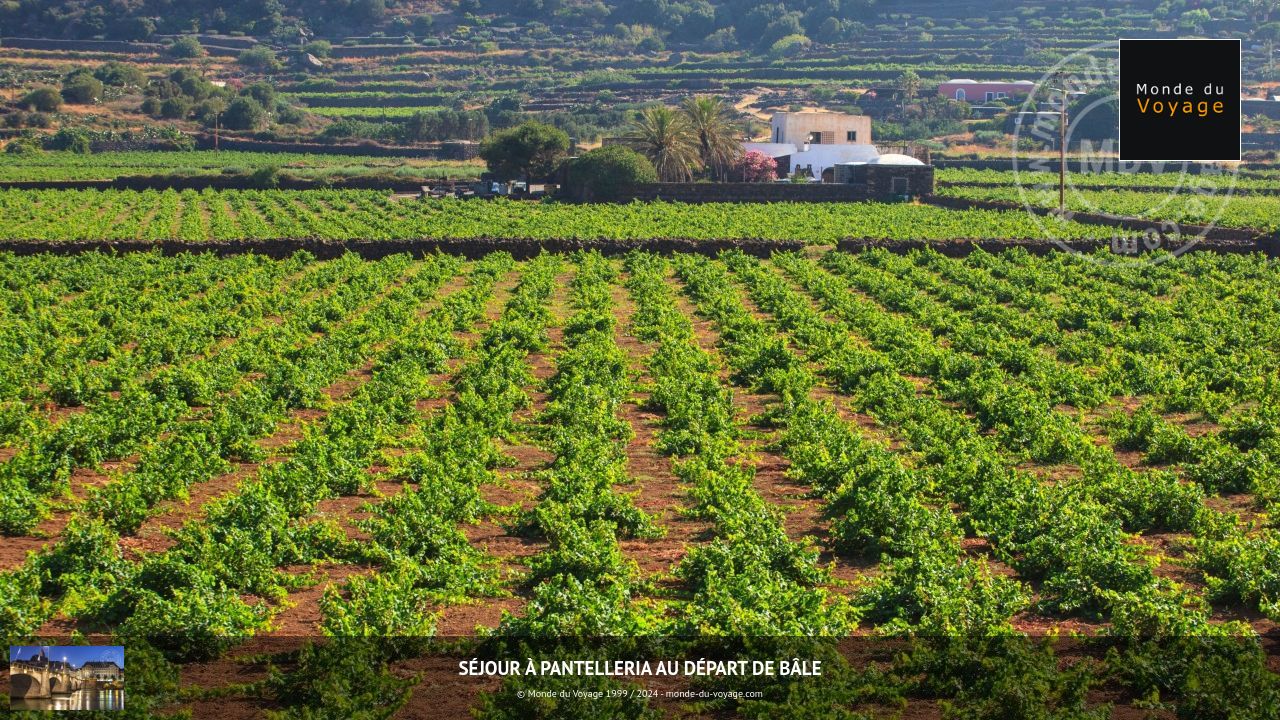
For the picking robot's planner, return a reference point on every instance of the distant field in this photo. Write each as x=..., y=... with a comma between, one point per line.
x=57, y=215
x=1261, y=212
x=369, y=112
x=110, y=165
x=1248, y=180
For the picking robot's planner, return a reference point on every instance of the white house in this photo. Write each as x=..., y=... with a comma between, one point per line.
x=816, y=141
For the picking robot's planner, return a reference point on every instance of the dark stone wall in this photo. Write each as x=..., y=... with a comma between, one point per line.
x=521, y=248
x=1126, y=223
x=439, y=151
x=961, y=247
x=869, y=183
x=877, y=180
x=1268, y=108
x=747, y=192
x=1260, y=141
x=121, y=46
x=1074, y=165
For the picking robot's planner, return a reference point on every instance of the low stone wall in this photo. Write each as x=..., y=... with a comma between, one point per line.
x=122, y=46
x=746, y=192
x=409, y=99
x=1074, y=166
x=437, y=151
x=224, y=182
x=1117, y=221
x=1267, y=108
x=1077, y=185
x=1260, y=141
x=109, y=46
x=520, y=248
x=961, y=247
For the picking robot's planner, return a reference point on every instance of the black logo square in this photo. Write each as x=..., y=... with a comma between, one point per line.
x=1180, y=100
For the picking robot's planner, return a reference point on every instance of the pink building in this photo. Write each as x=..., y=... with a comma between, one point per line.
x=974, y=91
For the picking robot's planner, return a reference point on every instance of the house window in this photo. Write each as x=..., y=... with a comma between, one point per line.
x=777, y=135
x=960, y=94
x=990, y=96
x=899, y=186
x=851, y=135
x=815, y=138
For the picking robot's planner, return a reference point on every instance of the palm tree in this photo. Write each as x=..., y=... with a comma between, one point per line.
x=714, y=132
x=908, y=86
x=664, y=136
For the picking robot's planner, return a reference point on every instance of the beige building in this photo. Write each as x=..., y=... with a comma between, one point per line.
x=103, y=671
x=820, y=128
x=812, y=143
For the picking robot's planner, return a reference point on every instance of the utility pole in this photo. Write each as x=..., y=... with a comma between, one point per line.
x=1062, y=143
x=217, y=116
x=1062, y=157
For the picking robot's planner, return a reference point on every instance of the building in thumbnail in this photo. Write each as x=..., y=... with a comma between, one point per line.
x=102, y=671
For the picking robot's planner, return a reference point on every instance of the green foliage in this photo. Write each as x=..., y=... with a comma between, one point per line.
x=375, y=217
x=1009, y=678
x=529, y=151
x=605, y=173
x=120, y=74
x=71, y=140
x=183, y=611
x=24, y=146
x=186, y=47
x=347, y=678
x=82, y=90
x=174, y=108
x=383, y=605
x=934, y=411
x=259, y=58
x=1245, y=569
x=244, y=113
x=43, y=99
x=319, y=48
x=22, y=609
x=789, y=46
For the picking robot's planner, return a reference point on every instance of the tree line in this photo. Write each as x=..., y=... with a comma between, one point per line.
x=698, y=140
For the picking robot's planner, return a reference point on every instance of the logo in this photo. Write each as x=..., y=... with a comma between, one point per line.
x=1144, y=202
x=1180, y=100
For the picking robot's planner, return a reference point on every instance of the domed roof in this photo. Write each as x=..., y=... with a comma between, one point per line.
x=895, y=159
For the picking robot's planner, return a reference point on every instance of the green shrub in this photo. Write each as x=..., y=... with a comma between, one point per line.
x=120, y=74
x=23, y=146
x=43, y=99
x=82, y=90
x=605, y=173
x=244, y=113
x=186, y=47
x=175, y=108
x=261, y=58
x=73, y=140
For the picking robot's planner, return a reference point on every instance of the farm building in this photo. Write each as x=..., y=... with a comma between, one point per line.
x=984, y=91
x=888, y=175
x=814, y=142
